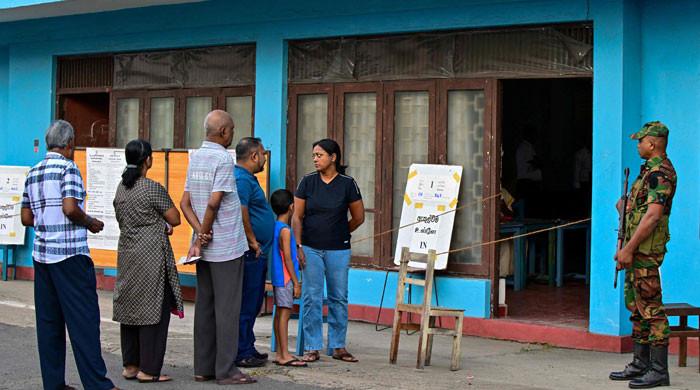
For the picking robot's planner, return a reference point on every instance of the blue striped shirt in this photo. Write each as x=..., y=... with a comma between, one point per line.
x=211, y=170
x=48, y=183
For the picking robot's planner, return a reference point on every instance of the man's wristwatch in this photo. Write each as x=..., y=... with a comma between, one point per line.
x=299, y=245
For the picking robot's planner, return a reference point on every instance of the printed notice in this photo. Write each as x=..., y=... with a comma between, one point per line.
x=104, y=173
x=11, y=190
x=431, y=191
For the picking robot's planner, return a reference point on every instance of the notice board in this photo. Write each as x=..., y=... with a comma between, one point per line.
x=11, y=189
x=431, y=192
x=173, y=166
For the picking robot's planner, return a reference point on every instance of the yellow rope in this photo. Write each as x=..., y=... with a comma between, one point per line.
x=515, y=236
x=415, y=223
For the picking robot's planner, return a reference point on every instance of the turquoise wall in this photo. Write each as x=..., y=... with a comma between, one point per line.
x=615, y=113
x=644, y=69
x=670, y=92
x=4, y=89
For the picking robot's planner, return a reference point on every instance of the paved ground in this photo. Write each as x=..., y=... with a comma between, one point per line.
x=487, y=364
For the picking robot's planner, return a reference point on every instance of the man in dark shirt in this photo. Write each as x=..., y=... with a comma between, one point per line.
x=259, y=225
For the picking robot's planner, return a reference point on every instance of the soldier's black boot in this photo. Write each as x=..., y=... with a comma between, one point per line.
x=639, y=365
x=657, y=375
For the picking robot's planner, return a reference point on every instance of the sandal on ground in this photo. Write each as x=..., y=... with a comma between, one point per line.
x=345, y=356
x=130, y=374
x=204, y=378
x=153, y=379
x=311, y=356
x=238, y=379
x=293, y=362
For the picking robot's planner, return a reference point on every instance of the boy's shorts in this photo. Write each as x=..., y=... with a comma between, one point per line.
x=284, y=296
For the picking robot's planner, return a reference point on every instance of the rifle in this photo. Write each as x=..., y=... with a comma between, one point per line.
x=623, y=221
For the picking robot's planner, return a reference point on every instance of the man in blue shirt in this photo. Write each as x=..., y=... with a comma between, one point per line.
x=259, y=225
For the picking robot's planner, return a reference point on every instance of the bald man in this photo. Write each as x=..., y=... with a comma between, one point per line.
x=212, y=207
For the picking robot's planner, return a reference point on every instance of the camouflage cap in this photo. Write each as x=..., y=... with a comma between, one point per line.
x=655, y=129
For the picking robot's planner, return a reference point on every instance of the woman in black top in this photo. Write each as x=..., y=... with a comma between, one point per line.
x=322, y=229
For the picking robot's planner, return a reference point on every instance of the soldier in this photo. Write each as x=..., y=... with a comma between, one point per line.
x=646, y=235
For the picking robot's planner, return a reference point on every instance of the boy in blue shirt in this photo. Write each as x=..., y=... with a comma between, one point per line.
x=285, y=271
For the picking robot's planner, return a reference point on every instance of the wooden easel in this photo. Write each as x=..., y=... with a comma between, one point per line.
x=428, y=313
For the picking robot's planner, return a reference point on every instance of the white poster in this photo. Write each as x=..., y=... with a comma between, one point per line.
x=104, y=173
x=431, y=191
x=11, y=190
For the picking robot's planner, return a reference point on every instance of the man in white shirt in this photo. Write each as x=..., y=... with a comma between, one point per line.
x=212, y=207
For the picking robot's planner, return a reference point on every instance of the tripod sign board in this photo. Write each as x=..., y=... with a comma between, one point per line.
x=431, y=191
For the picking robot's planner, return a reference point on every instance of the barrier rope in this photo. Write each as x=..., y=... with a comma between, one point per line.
x=415, y=223
x=481, y=244
x=532, y=233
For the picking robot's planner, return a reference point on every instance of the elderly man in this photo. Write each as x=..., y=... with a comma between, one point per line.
x=64, y=276
x=259, y=224
x=211, y=206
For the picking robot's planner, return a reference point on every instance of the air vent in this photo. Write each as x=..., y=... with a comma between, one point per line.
x=85, y=72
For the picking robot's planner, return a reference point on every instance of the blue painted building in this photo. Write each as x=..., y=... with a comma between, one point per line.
x=635, y=60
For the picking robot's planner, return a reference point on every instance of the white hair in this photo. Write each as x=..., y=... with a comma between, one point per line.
x=59, y=134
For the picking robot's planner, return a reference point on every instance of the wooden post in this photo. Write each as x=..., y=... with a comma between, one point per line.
x=429, y=347
x=425, y=316
x=683, y=344
x=456, y=344
x=400, y=287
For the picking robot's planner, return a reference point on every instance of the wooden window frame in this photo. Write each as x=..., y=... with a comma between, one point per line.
x=177, y=136
x=490, y=168
x=294, y=92
x=390, y=89
x=437, y=90
x=243, y=91
x=218, y=96
x=338, y=133
x=113, y=98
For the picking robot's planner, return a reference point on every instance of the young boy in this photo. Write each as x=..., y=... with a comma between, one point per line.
x=285, y=269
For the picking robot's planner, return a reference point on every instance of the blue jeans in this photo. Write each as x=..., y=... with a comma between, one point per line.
x=253, y=293
x=65, y=297
x=333, y=264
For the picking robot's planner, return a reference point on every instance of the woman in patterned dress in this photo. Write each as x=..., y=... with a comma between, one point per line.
x=147, y=288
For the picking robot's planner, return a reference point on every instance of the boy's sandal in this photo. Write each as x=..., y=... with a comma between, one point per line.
x=311, y=356
x=293, y=362
x=345, y=356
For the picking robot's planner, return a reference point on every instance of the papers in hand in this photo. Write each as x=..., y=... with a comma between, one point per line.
x=184, y=260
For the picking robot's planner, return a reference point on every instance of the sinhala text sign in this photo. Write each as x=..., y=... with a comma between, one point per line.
x=11, y=190
x=104, y=173
x=431, y=190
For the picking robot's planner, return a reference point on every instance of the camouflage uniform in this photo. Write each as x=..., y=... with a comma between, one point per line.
x=656, y=183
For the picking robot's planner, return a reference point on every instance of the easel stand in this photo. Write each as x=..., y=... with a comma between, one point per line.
x=428, y=313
